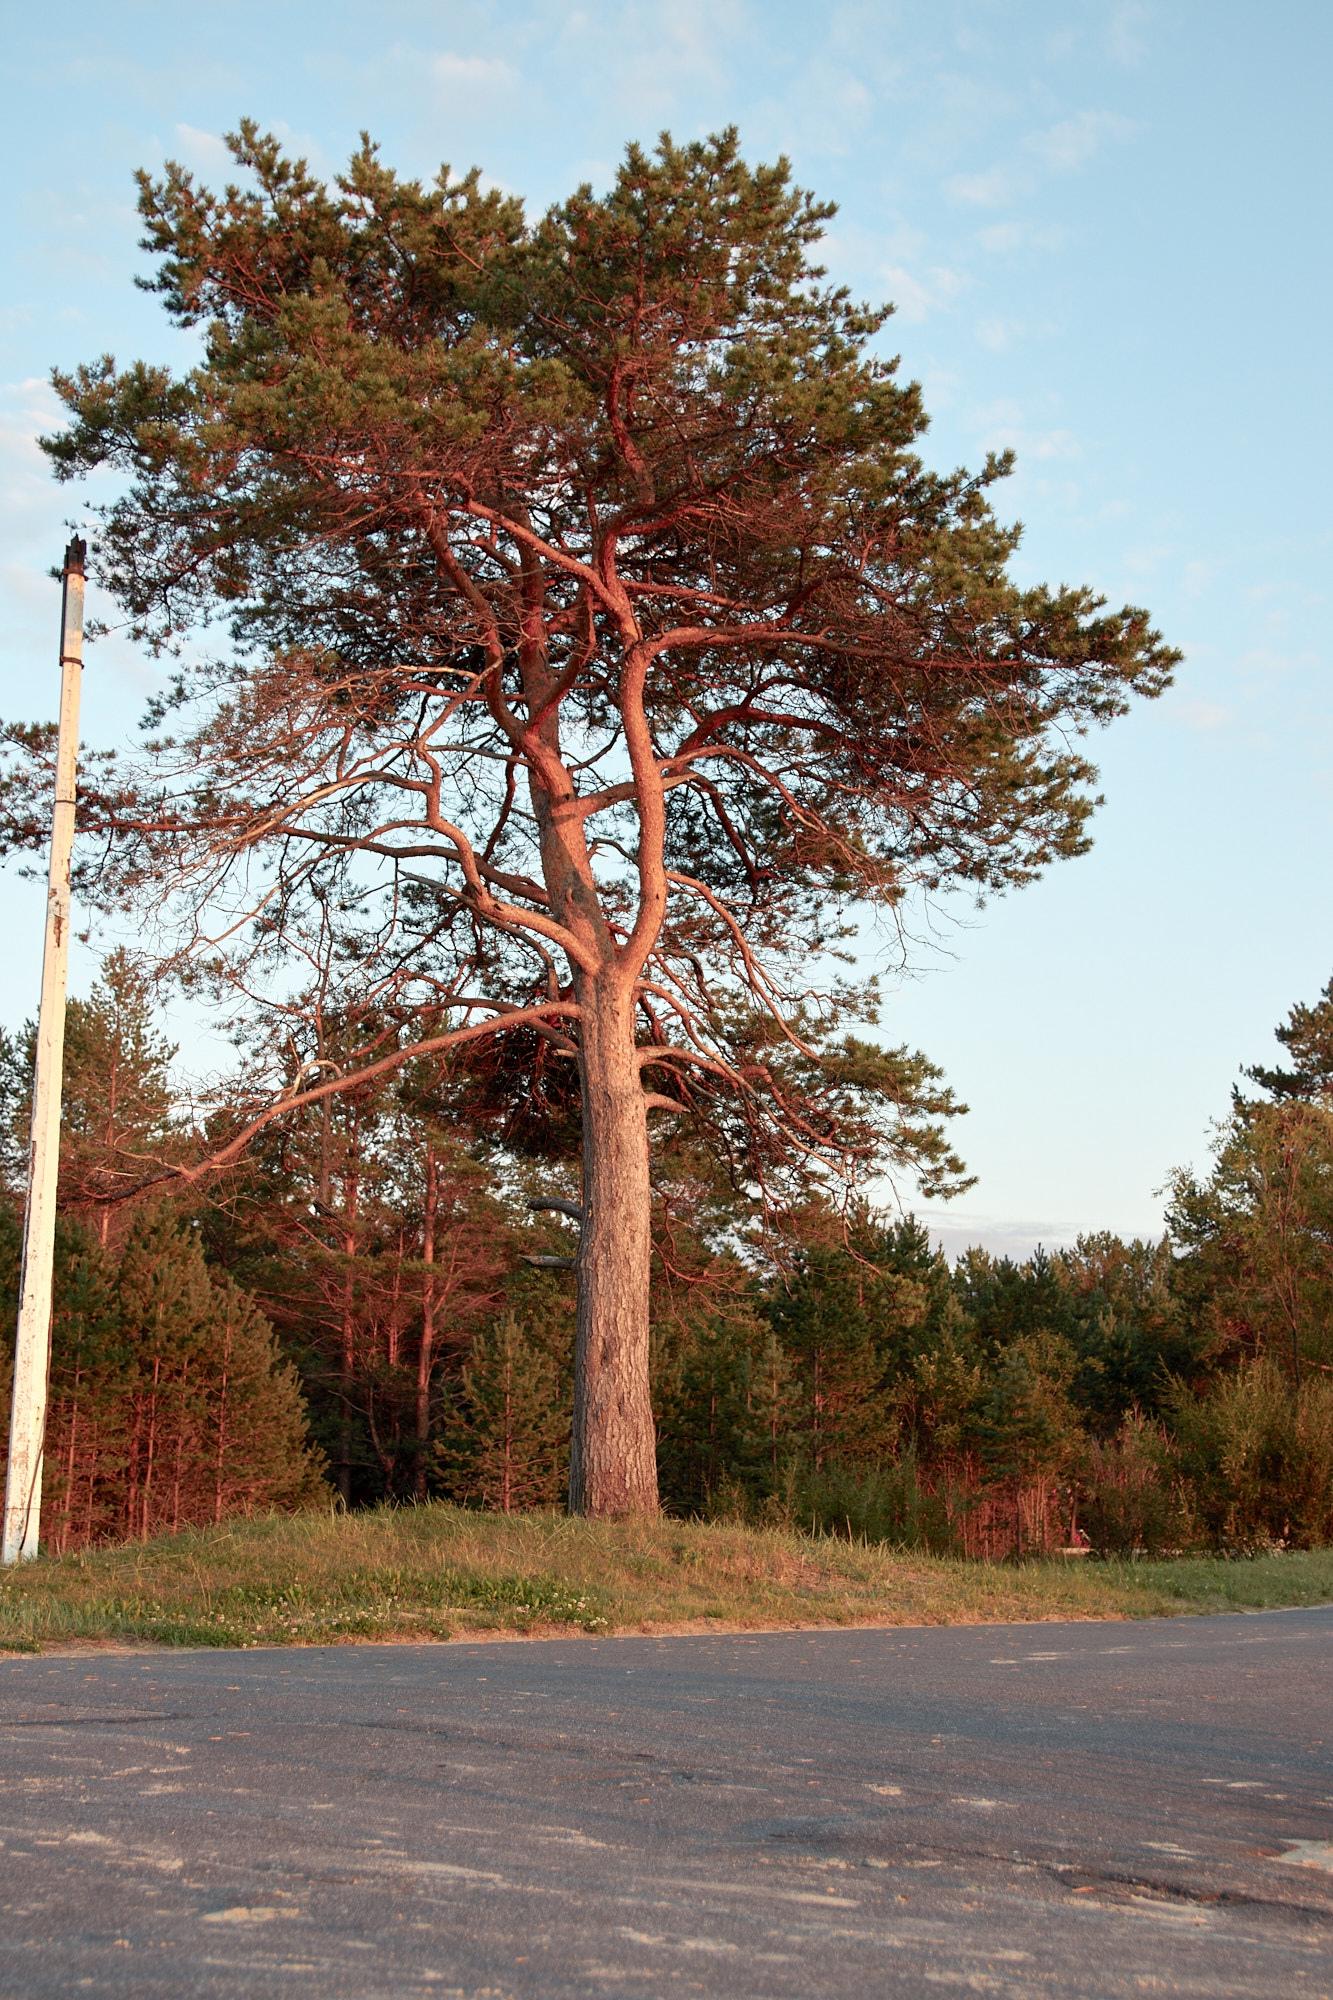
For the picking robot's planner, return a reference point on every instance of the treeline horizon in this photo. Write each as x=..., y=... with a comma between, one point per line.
x=374, y=1303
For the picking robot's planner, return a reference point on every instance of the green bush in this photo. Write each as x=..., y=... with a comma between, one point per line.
x=1255, y=1458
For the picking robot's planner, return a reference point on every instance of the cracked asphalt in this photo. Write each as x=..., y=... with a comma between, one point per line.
x=1096, y=1809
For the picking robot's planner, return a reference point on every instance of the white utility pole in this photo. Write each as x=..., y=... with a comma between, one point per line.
x=32, y=1354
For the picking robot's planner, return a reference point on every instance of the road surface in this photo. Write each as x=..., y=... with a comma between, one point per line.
x=1099, y=1809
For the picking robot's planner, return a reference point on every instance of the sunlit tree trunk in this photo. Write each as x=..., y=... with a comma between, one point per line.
x=613, y=1463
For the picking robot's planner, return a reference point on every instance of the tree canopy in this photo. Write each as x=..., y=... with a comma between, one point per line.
x=597, y=646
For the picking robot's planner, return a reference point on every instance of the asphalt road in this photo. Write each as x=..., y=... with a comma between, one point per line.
x=1025, y=1809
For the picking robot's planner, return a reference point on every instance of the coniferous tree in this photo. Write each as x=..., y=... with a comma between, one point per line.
x=120, y=1119
x=508, y=1447
x=92, y=1363
x=844, y=1311
x=169, y=1405
x=1257, y=1236
x=1127, y=1323
x=251, y=1450
x=724, y=1409
x=638, y=646
x=1307, y=1036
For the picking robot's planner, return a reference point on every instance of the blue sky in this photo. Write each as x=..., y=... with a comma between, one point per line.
x=1105, y=225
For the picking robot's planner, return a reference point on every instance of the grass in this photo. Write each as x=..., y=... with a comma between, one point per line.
x=440, y=1572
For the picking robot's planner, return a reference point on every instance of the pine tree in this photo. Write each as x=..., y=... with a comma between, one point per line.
x=1307, y=1036
x=164, y=1301
x=842, y=1315
x=86, y=1433
x=724, y=1410
x=624, y=505
x=1128, y=1325
x=1257, y=1236
x=508, y=1447
x=252, y=1451
x=120, y=1124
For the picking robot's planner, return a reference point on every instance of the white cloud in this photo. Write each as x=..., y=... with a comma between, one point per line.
x=997, y=333
x=204, y=150
x=1003, y=427
x=33, y=515
x=859, y=252
x=891, y=262
x=966, y=1229
x=1003, y=238
x=28, y=409
x=994, y=188
x=472, y=73
x=1203, y=716
x=1050, y=444
x=1124, y=34
x=1147, y=559
x=1060, y=149
x=1075, y=141
x=854, y=95
x=917, y=294
x=666, y=54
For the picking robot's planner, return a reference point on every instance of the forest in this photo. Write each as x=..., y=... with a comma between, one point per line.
x=374, y=1306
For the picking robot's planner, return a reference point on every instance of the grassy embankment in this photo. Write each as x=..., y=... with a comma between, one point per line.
x=439, y=1572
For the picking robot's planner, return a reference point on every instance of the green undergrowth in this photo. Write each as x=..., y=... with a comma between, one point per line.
x=441, y=1572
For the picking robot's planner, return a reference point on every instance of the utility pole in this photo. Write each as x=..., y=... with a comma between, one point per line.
x=32, y=1354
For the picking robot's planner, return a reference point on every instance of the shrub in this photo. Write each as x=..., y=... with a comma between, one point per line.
x=888, y=1502
x=1256, y=1459
x=1127, y=1502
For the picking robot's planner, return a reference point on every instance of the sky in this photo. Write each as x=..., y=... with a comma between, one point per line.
x=1104, y=225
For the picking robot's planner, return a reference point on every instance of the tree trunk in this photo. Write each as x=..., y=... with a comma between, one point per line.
x=613, y=1461
x=220, y=1454
x=342, y=1474
x=426, y=1349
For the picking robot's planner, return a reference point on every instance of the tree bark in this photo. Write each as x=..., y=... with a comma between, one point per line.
x=426, y=1349
x=613, y=1461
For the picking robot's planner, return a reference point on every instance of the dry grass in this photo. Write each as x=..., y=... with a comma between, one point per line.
x=440, y=1572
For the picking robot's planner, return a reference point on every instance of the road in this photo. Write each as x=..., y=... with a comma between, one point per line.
x=1098, y=1809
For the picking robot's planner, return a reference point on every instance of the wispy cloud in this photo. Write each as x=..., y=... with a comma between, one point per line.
x=996, y=187
x=893, y=262
x=472, y=73
x=1126, y=40
x=997, y=333
x=667, y=52
x=955, y=1232
x=1005, y=238
x=1065, y=147
x=1003, y=426
x=1061, y=148
x=1204, y=717
x=917, y=294
x=33, y=512
x=205, y=150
